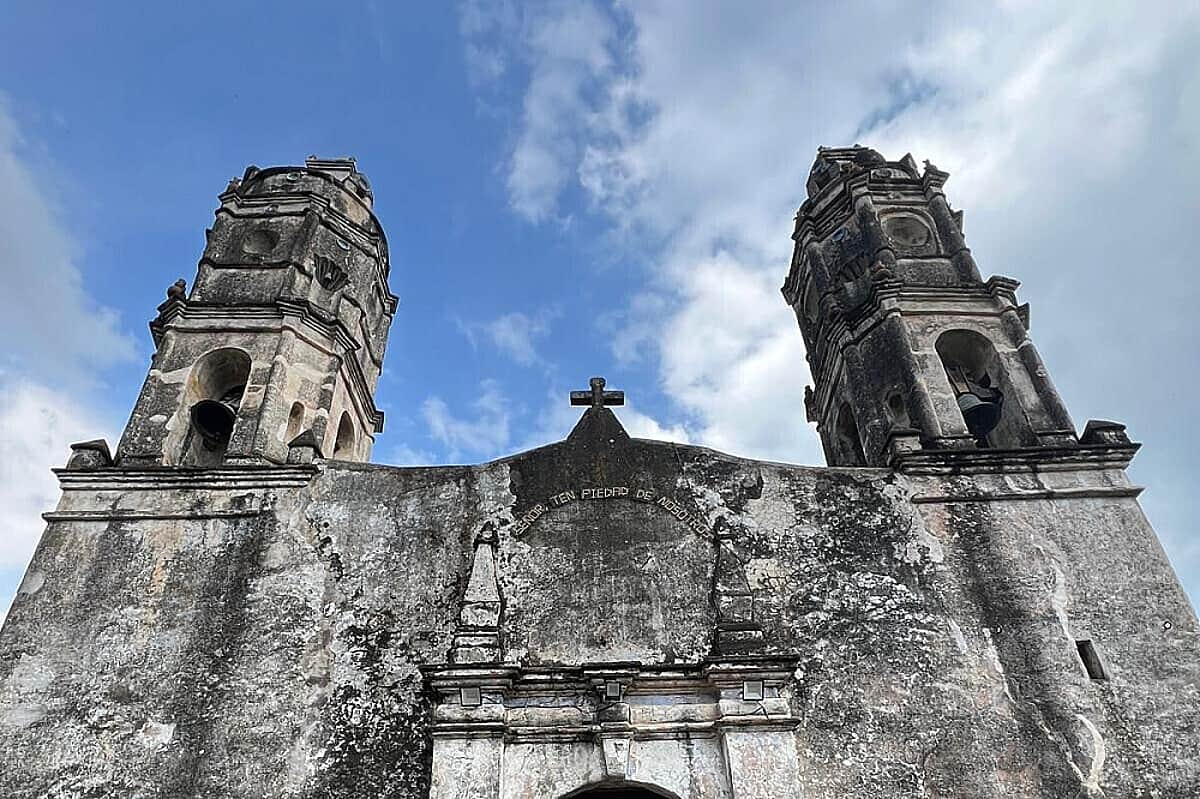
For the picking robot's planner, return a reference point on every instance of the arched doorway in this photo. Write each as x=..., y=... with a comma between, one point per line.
x=619, y=791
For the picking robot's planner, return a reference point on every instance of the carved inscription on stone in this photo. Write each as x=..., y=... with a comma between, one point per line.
x=592, y=493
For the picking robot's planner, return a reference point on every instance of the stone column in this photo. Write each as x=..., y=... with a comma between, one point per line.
x=877, y=243
x=269, y=409
x=466, y=768
x=1052, y=403
x=952, y=238
x=863, y=406
x=757, y=734
x=321, y=421
x=762, y=763
x=917, y=400
x=468, y=731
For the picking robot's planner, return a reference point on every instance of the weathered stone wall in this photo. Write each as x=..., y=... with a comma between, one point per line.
x=269, y=632
x=1030, y=576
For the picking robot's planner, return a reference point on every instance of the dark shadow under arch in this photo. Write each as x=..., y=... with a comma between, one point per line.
x=212, y=396
x=849, y=440
x=343, y=446
x=295, y=422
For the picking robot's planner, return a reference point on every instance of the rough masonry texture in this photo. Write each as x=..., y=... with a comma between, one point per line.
x=968, y=602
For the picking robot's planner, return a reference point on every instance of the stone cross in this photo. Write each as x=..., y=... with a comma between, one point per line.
x=597, y=397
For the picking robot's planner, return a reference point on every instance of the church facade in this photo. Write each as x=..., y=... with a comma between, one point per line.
x=967, y=601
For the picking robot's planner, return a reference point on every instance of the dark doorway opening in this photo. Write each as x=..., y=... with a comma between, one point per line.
x=616, y=792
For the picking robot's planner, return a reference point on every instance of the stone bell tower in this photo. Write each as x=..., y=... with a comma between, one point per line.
x=908, y=346
x=281, y=338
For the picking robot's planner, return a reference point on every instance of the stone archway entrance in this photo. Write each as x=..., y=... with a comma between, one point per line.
x=616, y=792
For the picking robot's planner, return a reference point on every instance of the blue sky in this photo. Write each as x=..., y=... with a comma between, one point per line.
x=577, y=187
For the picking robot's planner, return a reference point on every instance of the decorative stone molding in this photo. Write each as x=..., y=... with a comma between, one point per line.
x=675, y=727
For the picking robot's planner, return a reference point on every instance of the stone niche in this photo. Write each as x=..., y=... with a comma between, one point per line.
x=706, y=731
x=910, y=233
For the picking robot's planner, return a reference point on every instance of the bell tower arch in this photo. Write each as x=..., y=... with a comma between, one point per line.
x=908, y=346
x=283, y=332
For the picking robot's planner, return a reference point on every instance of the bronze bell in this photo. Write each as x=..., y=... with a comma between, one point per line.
x=979, y=403
x=981, y=415
x=213, y=419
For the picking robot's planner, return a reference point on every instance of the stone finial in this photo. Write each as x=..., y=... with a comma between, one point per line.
x=1099, y=431
x=170, y=307
x=812, y=411
x=901, y=440
x=90, y=455
x=477, y=639
x=304, y=448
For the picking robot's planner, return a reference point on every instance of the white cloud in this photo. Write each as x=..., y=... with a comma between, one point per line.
x=513, y=334
x=404, y=455
x=36, y=426
x=730, y=355
x=483, y=435
x=484, y=24
x=639, y=425
x=65, y=337
x=565, y=45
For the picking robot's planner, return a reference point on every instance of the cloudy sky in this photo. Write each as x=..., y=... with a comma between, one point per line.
x=577, y=187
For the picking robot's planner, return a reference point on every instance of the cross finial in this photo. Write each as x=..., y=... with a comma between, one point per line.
x=597, y=397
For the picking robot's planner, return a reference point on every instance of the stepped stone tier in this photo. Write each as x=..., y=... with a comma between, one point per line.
x=966, y=602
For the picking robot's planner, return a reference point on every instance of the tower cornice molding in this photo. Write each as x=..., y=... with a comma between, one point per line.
x=897, y=298
x=308, y=314
x=372, y=243
x=1021, y=460
x=302, y=318
x=238, y=187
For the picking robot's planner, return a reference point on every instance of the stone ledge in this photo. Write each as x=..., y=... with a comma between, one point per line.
x=1026, y=459
x=1010, y=496
x=168, y=477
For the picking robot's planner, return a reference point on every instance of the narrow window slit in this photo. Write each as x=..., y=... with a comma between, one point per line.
x=1091, y=660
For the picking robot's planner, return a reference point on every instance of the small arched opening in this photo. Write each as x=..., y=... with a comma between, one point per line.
x=897, y=410
x=849, y=441
x=982, y=390
x=295, y=422
x=343, y=446
x=214, y=393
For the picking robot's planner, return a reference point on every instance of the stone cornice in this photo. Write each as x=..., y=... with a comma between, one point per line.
x=564, y=703
x=1023, y=460
x=889, y=297
x=169, y=478
x=307, y=317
